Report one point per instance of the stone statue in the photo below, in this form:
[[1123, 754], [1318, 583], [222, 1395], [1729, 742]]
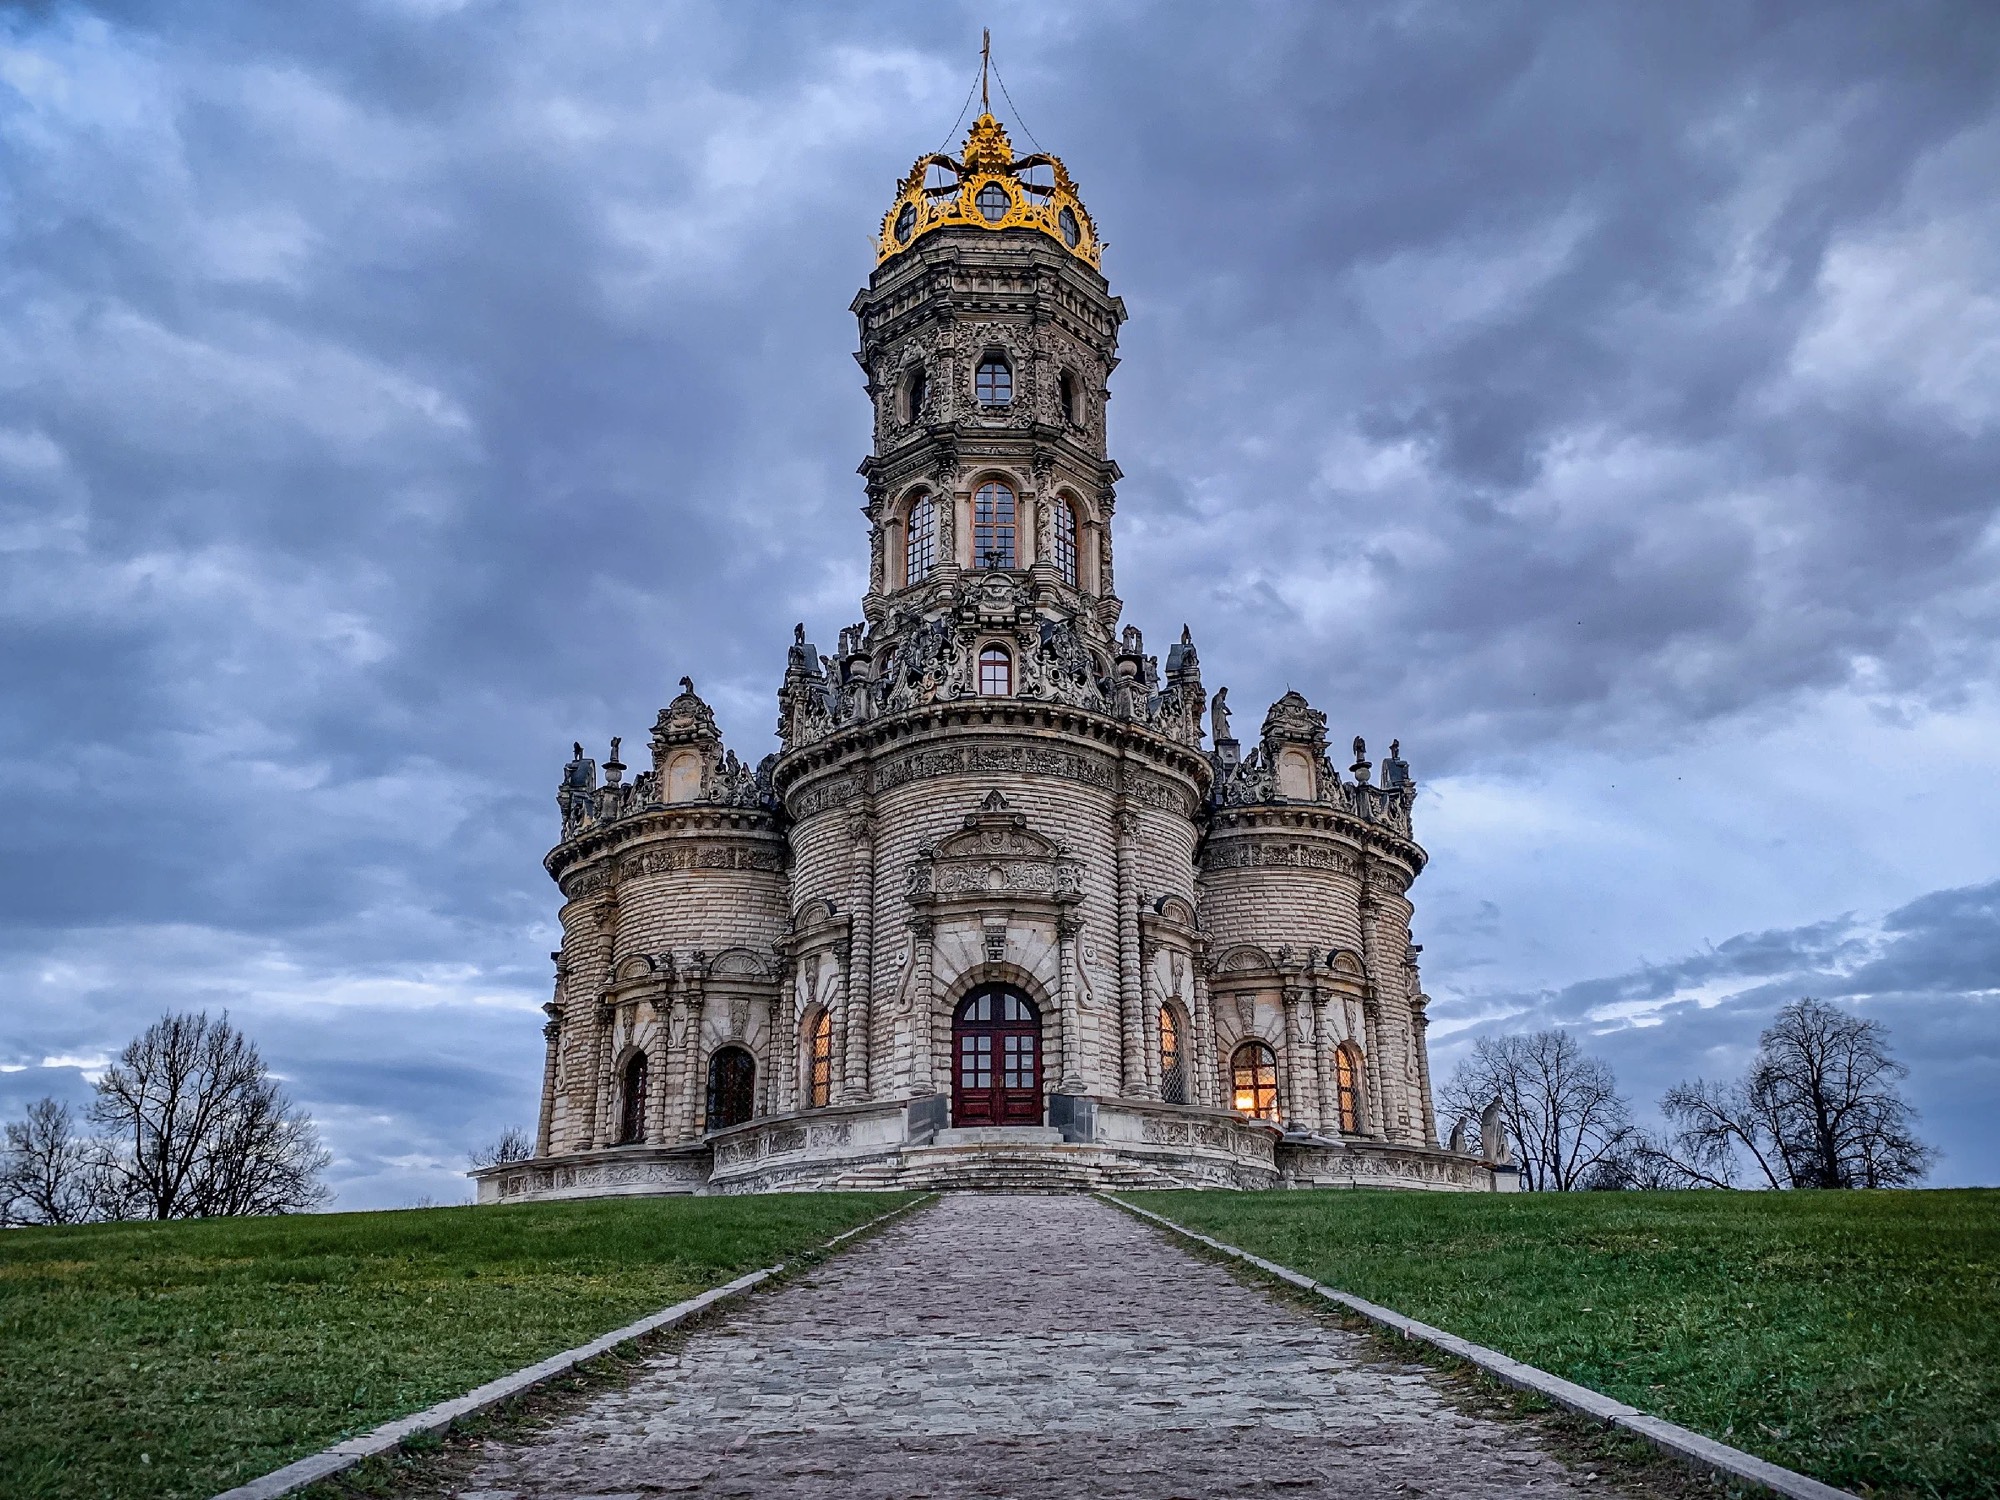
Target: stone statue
[[1493, 1135], [1218, 711], [687, 683], [1456, 1143]]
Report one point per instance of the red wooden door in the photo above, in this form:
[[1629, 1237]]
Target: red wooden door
[[996, 1048]]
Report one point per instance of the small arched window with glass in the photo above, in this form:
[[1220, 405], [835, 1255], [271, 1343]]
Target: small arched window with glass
[[1253, 1070], [1347, 1090], [819, 1060], [993, 525], [993, 381], [996, 672], [1062, 526], [993, 203], [1173, 1066], [920, 543], [910, 408], [632, 1110]]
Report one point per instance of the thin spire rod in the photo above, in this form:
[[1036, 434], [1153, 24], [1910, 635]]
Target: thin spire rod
[[985, 61]]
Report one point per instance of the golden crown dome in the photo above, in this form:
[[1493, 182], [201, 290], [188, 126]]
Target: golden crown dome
[[989, 189]]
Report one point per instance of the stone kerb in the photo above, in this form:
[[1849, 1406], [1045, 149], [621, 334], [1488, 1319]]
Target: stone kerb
[[616, 1171]]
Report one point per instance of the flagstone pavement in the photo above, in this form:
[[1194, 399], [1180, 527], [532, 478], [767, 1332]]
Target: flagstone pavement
[[1021, 1346]]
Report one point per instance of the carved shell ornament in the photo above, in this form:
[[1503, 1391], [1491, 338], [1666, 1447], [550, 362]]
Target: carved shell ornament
[[990, 189]]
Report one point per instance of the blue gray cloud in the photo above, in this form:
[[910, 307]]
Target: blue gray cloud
[[395, 392]]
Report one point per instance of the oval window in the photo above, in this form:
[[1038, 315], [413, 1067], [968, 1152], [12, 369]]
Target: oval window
[[993, 203], [1071, 230], [907, 220]]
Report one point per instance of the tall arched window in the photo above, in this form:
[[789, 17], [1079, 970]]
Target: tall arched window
[[819, 1061], [920, 549], [1062, 523], [915, 387], [1347, 1090], [732, 1087], [996, 672], [632, 1112], [1173, 1069], [1066, 394], [1254, 1078], [993, 381], [993, 526]]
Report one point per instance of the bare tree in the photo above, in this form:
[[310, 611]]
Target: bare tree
[[1560, 1107], [1820, 1107], [48, 1172], [198, 1127], [515, 1144]]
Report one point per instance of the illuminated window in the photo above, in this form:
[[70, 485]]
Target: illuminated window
[[632, 1117], [993, 381], [993, 203], [732, 1087], [1173, 1072], [1063, 522], [1349, 1093], [920, 550], [1254, 1074], [993, 526], [996, 672], [819, 1061]]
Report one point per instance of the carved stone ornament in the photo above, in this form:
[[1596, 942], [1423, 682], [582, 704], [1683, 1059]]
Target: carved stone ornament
[[995, 854]]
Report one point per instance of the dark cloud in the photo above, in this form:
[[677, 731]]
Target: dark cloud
[[395, 391]]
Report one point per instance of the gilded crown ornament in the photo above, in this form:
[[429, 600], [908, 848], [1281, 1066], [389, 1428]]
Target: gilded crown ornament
[[989, 189]]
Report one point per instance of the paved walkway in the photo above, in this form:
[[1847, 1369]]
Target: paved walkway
[[1011, 1346]]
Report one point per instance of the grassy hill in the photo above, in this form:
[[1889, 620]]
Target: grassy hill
[[1852, 1336], [174, 1360]]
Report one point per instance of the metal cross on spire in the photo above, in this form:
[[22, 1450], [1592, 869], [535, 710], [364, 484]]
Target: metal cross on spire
[[985, 61]]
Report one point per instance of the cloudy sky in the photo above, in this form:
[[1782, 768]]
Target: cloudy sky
[[1603, 399]]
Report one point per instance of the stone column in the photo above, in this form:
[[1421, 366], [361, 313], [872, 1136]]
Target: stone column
[[1070, 1079], [1379, 1112], [860, 966], [1150, 1002], [587, 984], [1371, 1030], [659, 1067], [552, 1035], [1420, 1026], [1207, 1075], [693, 1072], [1296, 1090], [923, 1005], [1329, 1105], [1132, 1062]]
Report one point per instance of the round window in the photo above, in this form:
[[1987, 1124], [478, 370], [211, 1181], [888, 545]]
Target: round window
[[993, 203], [907, 220], [1071, 230]]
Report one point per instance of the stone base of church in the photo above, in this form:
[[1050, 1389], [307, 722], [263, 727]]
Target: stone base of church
[[1090, 1145]]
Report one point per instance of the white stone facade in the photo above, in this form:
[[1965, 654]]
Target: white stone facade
[[1196, 958]]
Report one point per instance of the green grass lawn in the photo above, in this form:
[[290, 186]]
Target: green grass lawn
[[1852, 1336], [179, 1359]]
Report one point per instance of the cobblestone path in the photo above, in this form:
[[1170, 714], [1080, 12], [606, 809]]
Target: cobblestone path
[[1016, 1346]]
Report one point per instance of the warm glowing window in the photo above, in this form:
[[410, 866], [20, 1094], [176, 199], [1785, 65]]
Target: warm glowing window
[[1349, 1093], [1254, 1076], [632, 1117], [993, 382], [1173, 1071], [1063, 521], [920, 550], [993, 526], [996, 672], [819, 1061]]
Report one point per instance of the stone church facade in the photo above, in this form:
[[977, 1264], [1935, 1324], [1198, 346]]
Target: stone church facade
[[1011, 905]]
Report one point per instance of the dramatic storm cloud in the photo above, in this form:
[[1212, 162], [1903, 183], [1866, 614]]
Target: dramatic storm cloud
[[1605, 400]]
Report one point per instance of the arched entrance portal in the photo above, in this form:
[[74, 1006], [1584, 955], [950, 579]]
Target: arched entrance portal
[[996, 1049]]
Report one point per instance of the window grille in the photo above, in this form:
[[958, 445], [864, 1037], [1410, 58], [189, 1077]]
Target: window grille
[[1254, 1075], [1349, 1093], [993, 381], [819, 1062], [632, 1119], [1173, 1073]]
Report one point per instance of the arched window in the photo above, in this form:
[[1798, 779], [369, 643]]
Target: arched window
[[1062, 522], [732, 1088], [996, 672], [1066, 393], [993, 203], [1173, 1070], [1348, 1091], [920, 548], [632, 1111], [915, 386], [819, 1060], [993, 381], [993, 526], [1254, 1076]]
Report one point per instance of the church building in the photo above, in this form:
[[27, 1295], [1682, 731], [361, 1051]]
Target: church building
[[1011, 905]]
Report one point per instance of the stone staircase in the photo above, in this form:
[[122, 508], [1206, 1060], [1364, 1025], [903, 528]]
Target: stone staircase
[[983, 1166]]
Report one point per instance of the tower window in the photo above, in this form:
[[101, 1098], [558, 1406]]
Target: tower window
[[993, 526], [993, 382], [1071, 230], [996, 672], [920, 551], [1062, 520], [906, 220], [1347, 1090], [993, 203], [915, 388], [632, 1116], [819, 1061], [1066, 390], [1254, 1075]]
